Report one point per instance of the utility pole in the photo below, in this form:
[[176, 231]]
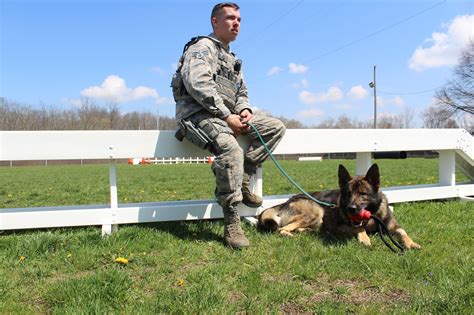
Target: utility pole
[[374, 86]]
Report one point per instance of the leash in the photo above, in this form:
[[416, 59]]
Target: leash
[[383, 230], [327, 204]]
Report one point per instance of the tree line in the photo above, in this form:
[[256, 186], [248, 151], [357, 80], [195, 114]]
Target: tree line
[[90, 116]]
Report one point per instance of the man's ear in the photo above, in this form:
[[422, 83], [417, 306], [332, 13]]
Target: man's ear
[[213, 21], [373, 176], [344, 176]]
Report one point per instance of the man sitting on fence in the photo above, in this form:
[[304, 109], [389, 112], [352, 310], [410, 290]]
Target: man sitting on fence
[[212, 109]]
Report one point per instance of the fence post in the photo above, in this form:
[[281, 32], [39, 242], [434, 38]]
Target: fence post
[[363, 161], [447, 168], [256, 182], [108, 229]]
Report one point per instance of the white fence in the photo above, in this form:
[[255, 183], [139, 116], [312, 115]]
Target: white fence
[[455, 147]]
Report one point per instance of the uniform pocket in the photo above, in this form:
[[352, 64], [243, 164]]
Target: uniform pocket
[[224, 177], [227, 89]]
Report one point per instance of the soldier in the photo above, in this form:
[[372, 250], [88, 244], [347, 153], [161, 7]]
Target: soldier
[[212, 109]]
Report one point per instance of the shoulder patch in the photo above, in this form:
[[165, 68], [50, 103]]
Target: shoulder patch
[[200, 54]]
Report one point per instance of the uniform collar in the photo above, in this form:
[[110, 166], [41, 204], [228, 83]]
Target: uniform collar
[[213, 37]]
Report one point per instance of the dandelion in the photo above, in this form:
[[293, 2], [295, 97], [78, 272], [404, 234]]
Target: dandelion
[[22, 258], [121, 260], [180, 282]]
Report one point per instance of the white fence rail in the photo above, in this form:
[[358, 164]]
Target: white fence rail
[[455, 147]]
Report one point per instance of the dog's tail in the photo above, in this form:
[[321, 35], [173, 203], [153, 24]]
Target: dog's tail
[[269, 220]]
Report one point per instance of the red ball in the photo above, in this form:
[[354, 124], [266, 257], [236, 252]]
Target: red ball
[[364, 215]]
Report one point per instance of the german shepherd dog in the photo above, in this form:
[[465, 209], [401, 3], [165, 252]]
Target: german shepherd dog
[[299, 213]]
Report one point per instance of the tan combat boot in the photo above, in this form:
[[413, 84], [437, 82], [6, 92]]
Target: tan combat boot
[[233, 233], [249, 199]]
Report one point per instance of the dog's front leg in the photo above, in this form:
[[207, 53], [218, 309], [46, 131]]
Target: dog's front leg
[[358, 232], [362, 236], [405, 239]]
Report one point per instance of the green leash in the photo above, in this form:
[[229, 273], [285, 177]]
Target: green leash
[[284, 173]]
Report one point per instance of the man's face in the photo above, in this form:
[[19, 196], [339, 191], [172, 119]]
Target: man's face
[[227, 24]]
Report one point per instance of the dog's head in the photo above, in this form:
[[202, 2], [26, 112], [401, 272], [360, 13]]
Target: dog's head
[[359, 192]]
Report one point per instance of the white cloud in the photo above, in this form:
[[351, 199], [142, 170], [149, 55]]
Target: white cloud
[[73, 102], [273, 71], [158, 70], [345, 106], [444, 48], [357, 92], [397, 100], [297, 68], [310, 113], [332, 94], [304, 83], [114, 89]]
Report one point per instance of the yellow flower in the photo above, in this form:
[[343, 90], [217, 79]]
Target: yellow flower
[[22, 258], [121, 260], [180, 282]]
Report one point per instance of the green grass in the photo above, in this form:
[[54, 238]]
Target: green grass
[[182, 267]]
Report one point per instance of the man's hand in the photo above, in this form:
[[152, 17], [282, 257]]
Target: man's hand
[[235, 124], [245, 116]]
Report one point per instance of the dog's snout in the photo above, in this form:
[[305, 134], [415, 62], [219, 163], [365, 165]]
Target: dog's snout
[[353, 208]]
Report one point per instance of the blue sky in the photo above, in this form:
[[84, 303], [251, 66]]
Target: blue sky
[[308, 60]]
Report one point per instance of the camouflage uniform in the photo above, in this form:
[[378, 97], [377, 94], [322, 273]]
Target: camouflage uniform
[[208, 87]]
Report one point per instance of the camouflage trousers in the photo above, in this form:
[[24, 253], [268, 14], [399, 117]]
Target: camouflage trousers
[[231, 160]]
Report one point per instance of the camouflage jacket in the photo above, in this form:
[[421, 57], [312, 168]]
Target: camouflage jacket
[[209, 77]]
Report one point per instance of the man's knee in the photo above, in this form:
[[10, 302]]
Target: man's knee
[[226, 145], [279, 127]]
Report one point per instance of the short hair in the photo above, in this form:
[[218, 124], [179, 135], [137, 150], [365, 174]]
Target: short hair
[[221, 5]]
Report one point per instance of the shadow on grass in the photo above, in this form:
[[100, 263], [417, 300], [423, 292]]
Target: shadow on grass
[[193, 231], [333, 240], [327, 238]]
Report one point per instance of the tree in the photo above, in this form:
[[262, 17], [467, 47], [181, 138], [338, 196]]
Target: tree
[[458, 94], [406, 117], [437, 116]]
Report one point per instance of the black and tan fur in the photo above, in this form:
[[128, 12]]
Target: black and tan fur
[[299, 213]]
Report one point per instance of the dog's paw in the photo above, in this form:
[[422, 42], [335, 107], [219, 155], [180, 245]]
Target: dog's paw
[[284, 232], [364, 239], [302, 230], [408, 243], [412, 245]]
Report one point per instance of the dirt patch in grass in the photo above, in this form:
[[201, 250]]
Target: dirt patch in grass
[[347, 291], [293, 308], [351, 291]]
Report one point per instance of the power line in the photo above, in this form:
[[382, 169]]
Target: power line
[[252, 36], [375, 33], [411, 93]]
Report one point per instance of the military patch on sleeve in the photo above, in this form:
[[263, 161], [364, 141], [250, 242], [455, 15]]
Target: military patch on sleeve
[[200, 54]]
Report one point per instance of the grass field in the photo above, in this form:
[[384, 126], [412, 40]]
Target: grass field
[[182, 267]]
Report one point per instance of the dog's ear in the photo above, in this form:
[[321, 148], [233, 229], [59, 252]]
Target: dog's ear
[[344, 176], [373, 176]]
